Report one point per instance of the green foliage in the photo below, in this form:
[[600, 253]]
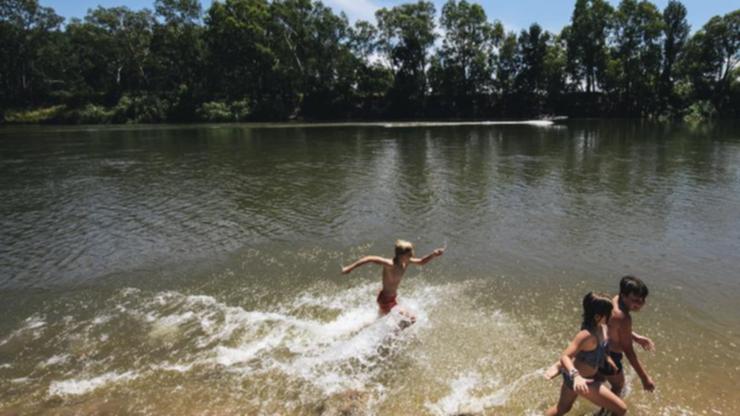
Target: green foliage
[[507, 68], [636, 54], [711, 57], [219, 111], [36, 116], [587, 42], [406, 34], [215, 111], [531, 82], [700, 112], [283, 59], [140, 109], [462, 71], [27, 35], [675, 32], [91, 114]]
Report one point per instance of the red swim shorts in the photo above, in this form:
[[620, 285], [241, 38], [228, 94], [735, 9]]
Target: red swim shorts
[[386, 303]]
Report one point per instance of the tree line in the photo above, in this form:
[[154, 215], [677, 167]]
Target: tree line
[[258, 60]]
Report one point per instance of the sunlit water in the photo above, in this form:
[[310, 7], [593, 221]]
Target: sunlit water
[[195, 269]]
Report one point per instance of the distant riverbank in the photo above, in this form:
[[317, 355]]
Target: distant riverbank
[[156, 112]]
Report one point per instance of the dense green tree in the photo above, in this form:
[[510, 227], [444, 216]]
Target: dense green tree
[[675, 33], [634, 71], [28, 33], [531, 80], [508, 64], [555, 63], [587, 43], [461, 70], [312, 44], [373, 79], [711, 59], [240, 60], [406, 33], [179, 49], [127, 34]]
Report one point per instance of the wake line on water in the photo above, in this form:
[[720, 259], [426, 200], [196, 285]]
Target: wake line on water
[[409, 124]]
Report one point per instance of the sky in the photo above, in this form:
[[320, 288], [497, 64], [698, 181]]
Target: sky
[[514, 14]]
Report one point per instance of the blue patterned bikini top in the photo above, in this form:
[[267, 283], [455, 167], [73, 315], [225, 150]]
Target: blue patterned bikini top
[[596, 357]]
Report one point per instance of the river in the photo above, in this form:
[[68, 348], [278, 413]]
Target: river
[[195, 269]]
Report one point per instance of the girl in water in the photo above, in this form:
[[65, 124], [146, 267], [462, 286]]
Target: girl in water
[[581, 360]]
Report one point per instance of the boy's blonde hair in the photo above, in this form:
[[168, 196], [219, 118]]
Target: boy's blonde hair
[[403, 247]]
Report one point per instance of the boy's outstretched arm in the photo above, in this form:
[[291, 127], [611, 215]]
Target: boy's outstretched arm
[[426, 259], [365, 260], [646, 343], [625, 339]]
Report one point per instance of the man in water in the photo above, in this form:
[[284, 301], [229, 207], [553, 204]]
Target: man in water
[[631, 298], [393, 270]]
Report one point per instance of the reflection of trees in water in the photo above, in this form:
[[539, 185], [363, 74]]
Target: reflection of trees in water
[[639, 175]]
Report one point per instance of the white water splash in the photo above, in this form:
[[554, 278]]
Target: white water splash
[[54, 360], [76, 387]]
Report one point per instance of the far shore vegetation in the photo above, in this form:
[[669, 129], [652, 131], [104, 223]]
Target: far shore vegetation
[[280, 60]]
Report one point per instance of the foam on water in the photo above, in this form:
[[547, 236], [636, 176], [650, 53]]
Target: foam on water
[[676, 410], [331, 354], [462, 398], [54, 360], [20, 380], [33, 326], [323, 343], [331, 341], [75, 387]]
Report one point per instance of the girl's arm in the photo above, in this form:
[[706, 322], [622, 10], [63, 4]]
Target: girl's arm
[[566, 360], [365, 260], [426, 259]]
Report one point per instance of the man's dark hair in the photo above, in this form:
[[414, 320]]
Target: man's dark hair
[[632, 285]]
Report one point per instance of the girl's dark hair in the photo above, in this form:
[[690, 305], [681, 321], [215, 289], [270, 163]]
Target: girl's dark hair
[[595, 304]]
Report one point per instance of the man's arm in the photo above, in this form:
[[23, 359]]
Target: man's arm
[[426, 259], [646, 343], [625, 339], [365, 260]]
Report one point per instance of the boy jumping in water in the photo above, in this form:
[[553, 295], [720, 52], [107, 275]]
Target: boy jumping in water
[[393, 270]]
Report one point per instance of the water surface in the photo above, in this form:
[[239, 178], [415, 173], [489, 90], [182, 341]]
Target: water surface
[[195, 269]]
